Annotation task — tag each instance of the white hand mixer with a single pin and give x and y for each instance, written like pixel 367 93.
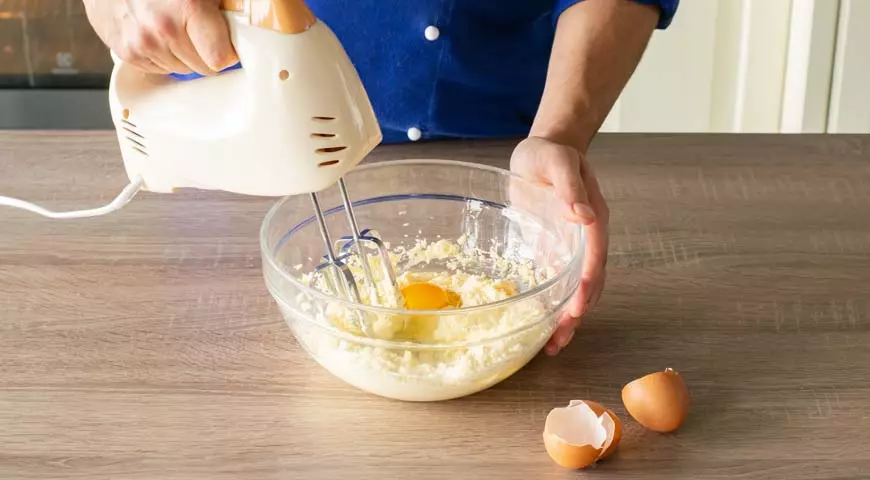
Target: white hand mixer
pixel 295 119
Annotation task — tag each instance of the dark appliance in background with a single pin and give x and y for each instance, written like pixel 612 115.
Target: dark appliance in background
pixel 54 70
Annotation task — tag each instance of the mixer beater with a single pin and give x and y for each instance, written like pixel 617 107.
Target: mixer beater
pixel 335 270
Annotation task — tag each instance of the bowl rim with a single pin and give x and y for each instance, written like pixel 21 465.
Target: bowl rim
pixel 321 296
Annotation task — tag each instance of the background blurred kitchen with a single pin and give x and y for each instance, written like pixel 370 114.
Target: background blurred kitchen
pixel 785 66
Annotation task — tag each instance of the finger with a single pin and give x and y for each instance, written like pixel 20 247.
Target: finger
pixel 144 49
pixel 169 62
pixel 598 237
pixel 183 48
pixel 592 276
pixel 596 294
pixel 597 241
pixel 593 191
pixel 593 270
pixel 568 184
pixel 588 295
pixel 164 28
pixel 551 349
pixel 210 37
pixel 577 305
pixel 151 56
pixel 145 65
pixel 562 335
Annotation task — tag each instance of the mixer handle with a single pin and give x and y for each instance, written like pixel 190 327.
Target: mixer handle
pixel 284 16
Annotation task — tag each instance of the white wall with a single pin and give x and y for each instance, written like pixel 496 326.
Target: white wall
pixel 765 66
pixel 850 90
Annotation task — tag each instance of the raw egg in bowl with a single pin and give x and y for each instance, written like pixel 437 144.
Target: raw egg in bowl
pixel 484 260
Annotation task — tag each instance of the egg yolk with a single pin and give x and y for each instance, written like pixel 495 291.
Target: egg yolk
pixel 425 296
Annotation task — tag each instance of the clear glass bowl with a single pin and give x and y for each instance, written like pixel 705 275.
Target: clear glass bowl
pixel 488 216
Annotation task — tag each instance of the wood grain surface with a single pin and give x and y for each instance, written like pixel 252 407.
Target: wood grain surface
pixel 143 345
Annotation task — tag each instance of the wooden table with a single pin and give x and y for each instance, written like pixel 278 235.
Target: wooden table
pixel 144 345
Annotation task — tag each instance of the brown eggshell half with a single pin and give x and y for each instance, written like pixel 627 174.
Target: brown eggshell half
pixel 577 436
pixel 658 401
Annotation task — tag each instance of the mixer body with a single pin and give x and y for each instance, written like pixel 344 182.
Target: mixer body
pixel 294 119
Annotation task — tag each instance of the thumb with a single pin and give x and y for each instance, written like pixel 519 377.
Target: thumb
pixel 210 36
pixel 567 180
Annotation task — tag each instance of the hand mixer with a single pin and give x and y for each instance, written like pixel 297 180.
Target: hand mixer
pixel 293 120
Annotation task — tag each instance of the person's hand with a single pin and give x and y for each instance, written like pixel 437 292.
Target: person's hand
pixel 164 36
pixel 567 171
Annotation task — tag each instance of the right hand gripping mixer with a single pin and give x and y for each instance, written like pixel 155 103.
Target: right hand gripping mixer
pixel 293 120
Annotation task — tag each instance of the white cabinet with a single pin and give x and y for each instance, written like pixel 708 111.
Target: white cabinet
pixel 850 89
pixel 763 66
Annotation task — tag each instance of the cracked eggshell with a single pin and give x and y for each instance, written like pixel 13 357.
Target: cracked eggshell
pixel 580 434
pixel 617 425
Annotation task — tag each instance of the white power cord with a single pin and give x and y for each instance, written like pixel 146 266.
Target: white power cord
pixel 118 203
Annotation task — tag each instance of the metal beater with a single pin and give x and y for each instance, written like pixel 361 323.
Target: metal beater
pixel 336 270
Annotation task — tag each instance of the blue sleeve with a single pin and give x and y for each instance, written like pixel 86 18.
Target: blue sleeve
pixel 667 9
pixel 194 76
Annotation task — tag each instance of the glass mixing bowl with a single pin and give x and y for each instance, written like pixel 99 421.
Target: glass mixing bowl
pixel 490 223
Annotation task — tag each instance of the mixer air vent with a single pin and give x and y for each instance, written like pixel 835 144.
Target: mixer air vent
pixel 326 136
pixel 330 149
pixel 135 140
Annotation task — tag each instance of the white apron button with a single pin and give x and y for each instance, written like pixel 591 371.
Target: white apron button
pixel 432 33
pixel 414 134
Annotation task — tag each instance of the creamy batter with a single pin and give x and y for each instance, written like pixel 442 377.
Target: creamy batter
pixel 435 357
